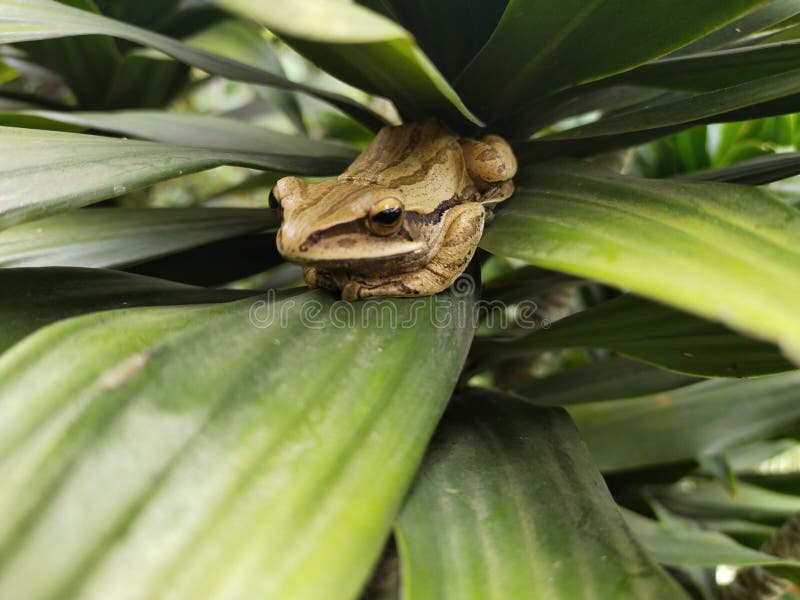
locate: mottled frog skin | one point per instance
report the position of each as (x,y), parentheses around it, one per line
(403,220)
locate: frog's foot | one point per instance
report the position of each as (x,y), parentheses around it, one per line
(498,192)
(464,228)
(489,160)
(319,279)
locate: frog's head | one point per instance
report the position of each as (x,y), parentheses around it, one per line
(343,223)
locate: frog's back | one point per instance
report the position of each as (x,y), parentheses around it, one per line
(422,159)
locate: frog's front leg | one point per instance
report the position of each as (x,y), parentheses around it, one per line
(464,226)
(491,164)
(319,279)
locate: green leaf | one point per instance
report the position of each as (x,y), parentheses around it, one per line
(544,148)
(363,49)
(719,467)
(662,115)
(574,106)
(785,483)
(42,172)
(745,459)
(117,237)
(767,16)
(710,499)
(26,20)
(502,508)
(746,532)
(720,69)
(605,380)
(146,81)
(540,47)
(268,415)
(680,543)
(34,298)
(147,13)
(709,417)
(451,32)
(722,252)
(652,333)
(87,63)
(756,171)
(203,131)
(244,42)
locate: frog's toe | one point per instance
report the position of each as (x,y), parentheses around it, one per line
(311,276)
(316,279)
(351,291)
(490,159)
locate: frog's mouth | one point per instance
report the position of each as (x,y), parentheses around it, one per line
(350,246)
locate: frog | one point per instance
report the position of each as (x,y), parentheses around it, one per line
(403,220)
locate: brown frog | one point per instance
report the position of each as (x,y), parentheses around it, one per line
(403,220)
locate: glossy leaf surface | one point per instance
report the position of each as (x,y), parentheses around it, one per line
(509,505)
(231,468)
(723,252)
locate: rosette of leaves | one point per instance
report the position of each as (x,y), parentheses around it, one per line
(179,420)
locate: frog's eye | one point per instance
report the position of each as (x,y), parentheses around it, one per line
(274,204)
(386,216)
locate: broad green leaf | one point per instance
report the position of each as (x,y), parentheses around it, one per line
(708,418)
(27,20)
(363,49)
(42,172)
(604,380)
(33,298)
(117,237)
(680,543)
(255,449)
(723,252)
(540,47)
(244,42)
(503,507)
(756,171)
(652,333)
(204,131)
(765,17)
(451,32)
